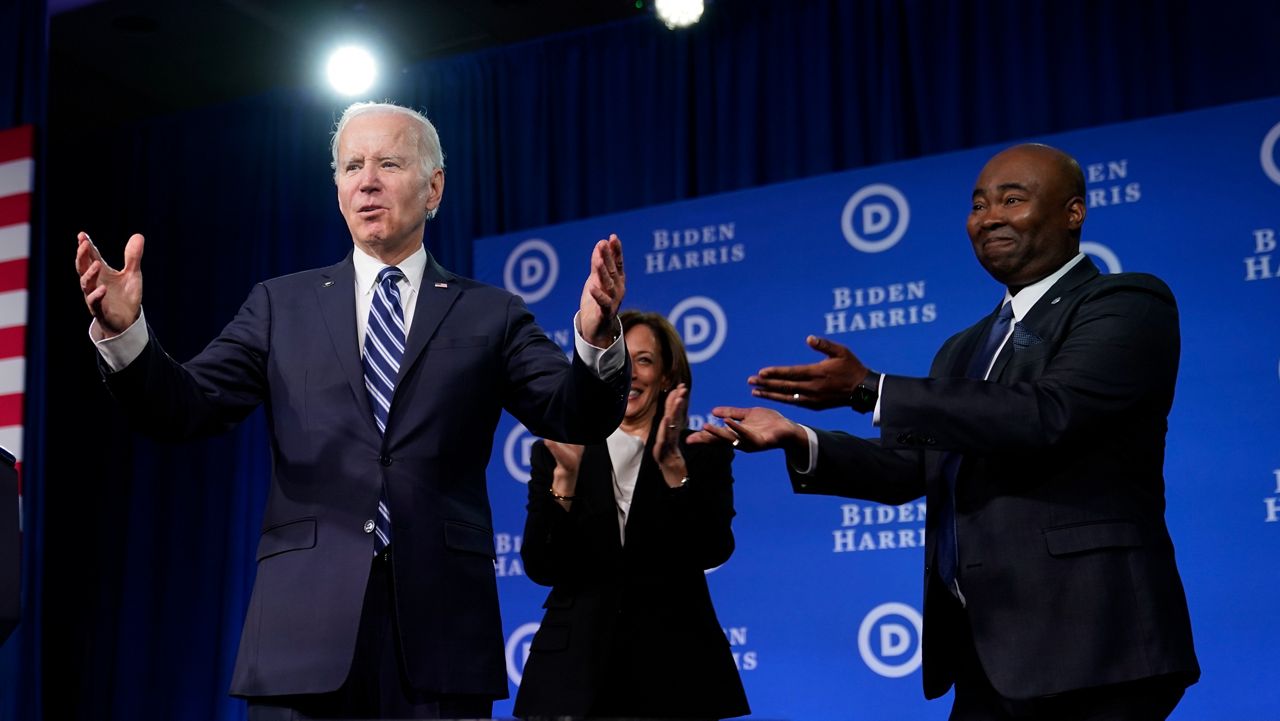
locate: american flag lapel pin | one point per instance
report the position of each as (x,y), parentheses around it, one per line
(442,285)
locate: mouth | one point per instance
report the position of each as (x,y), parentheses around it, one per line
(367,209)
(634,393)
(998,242)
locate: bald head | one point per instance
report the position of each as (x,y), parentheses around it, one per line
(1028,208)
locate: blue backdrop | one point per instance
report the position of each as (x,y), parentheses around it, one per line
(821,601)
(141,555)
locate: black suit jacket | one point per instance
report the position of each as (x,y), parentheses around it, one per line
(630,629)
(473,350)
(1065,560)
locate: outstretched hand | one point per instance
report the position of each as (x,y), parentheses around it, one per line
(602,293)
(113,297)
(829,383)
(753,429)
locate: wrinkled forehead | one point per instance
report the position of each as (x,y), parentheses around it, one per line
(378,134)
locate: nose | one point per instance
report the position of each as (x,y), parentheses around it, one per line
(369,179)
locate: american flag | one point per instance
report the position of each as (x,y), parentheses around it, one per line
(16,172)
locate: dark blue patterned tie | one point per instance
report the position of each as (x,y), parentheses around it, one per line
(948,548)
(383,348)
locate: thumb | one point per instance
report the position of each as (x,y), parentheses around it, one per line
(133,254)
(829,348)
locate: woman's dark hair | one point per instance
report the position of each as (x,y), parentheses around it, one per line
(674,360)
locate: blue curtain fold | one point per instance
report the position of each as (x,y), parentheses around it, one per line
(148,550)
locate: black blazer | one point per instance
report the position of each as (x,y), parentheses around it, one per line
(473,350)
(1065,560)
(630,630)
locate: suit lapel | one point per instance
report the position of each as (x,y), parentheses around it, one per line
(336,295)
(1039,319)
(596,464)
(436,295)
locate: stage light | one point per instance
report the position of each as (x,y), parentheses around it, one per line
(351,70)
(678,13)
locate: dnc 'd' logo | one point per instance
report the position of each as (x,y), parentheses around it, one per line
(889,639)
(518,651)
(1106,258)
(875,218)
(1268,154)
(515,452)
(531,270)
(702,326)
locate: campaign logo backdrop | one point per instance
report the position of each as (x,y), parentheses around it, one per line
(821,600)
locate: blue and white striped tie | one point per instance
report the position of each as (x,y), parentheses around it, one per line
(383,348)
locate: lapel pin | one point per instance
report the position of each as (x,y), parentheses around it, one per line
(328,283)
(1055,300)
(442,285)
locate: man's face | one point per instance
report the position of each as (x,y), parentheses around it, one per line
(1025,219)
(381,191)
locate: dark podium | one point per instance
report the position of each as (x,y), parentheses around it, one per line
(10,558)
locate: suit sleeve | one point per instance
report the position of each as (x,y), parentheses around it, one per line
(555,398)
(1117,361)
(208,394)
(855,467)
(697,517)
(553,537)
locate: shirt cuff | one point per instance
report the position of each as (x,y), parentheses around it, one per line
(875,415)
(604,362)
(813,453)
(118,352)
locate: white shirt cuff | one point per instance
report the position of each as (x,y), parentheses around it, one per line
(120,351)
(813,452)
(604,362)
(875,414)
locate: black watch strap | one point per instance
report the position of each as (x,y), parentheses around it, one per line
(866,393)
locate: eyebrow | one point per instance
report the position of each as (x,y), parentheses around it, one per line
(1001,187)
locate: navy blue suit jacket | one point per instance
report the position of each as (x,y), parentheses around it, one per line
(1065,560)
(472,351)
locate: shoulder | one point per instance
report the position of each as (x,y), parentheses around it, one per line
(1136,288)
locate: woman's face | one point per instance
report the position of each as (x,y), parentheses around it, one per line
(648,377)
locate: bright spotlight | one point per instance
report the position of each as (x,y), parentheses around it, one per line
(678,13)
(351,70)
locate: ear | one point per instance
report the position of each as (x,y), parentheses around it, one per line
(435,189)
(1077,209)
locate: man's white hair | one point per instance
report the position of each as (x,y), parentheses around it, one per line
(430,154)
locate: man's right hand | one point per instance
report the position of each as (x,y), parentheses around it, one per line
(113,297)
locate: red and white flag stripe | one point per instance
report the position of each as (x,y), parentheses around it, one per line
(16,173)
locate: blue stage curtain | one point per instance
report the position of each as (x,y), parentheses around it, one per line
(149,549)
(23,69)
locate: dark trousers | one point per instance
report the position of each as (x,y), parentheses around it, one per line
(377,687)
(1150,699)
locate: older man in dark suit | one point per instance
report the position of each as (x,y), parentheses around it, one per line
(1051,590)
(383,377)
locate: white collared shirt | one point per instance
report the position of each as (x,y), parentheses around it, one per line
(625,452)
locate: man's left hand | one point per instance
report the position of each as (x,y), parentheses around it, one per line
(602,294)
(829,383)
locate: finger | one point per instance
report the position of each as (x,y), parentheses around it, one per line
(133,254)
(792,399)
(726,412)
(615,249)
(94,301)
(708,435)
(719,433)
(828,347)
(798,373)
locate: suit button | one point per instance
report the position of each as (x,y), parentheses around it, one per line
(904,438)
(384,460)
(368,526)
(930,441)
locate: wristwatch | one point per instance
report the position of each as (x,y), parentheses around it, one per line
(866,393)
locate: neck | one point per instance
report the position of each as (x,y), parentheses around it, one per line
(639,427)
(390,256)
